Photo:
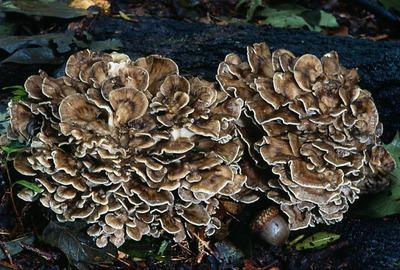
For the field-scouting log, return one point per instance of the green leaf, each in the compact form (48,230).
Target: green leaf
(240,4)
(145,248)
(388,4)
(317,240)
(163,247)
(57,9)
(14,87)
(285,17)
(18,98)
(387,202)
(296,240)
(394,149)
(253,6)
(29,185)
(78,247)
(18,92)
(19,95)
(7,29)
(13,147)
(295,16)
(328,20)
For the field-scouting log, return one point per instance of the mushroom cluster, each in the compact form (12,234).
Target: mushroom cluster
(320,130)
(130,147)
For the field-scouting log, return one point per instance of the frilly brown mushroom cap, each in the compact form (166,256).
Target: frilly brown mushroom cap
(321,130)
(131,147)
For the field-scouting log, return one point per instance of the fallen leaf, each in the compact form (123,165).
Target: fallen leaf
(7,29)
(296,240)
(228,253)
(291,16)
(145,248)
(317,240)
(40,55)
(14,247)
(163,247)
(284,17)
(104,5)
(62,40)
(125,16)
(388,4)
(387,202)
(78,247)
(105,45)
(57,9)
(253,6)
(12,43)
(327,20)
(13,147)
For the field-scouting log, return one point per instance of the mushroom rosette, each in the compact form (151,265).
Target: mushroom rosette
(131,147)
(320,130)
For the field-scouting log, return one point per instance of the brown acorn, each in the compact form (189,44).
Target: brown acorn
(271,226)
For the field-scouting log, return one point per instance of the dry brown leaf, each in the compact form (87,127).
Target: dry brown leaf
(85,4)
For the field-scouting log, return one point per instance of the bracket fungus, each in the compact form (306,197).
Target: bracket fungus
(320,130)
(130,147)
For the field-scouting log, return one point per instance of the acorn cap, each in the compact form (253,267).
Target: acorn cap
(263,218)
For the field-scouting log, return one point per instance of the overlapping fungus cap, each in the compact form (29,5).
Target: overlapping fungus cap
(321,130)
(131,147)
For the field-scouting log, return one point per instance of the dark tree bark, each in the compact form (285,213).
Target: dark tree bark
(199,48)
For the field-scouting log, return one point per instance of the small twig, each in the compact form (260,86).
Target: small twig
(232,216)
(270,265)
(45,255)
(6,252)
(177,259)
(9,266)
(12,197)
(30,33)
(186,249)
(119,259)
(50,28)
(204,248)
